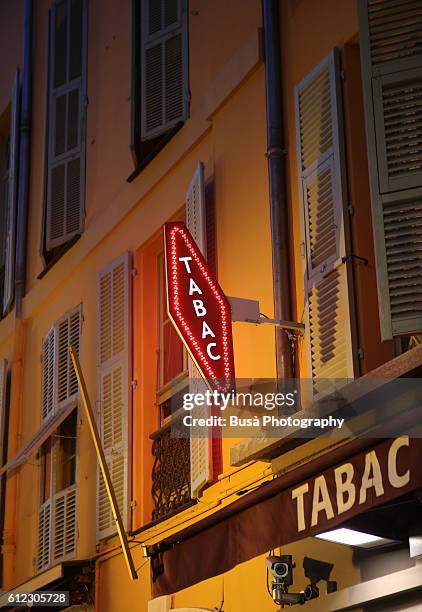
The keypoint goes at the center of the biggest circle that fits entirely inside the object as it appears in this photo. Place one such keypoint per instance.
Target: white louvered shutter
(66, 129)
(200, 447)
(391, 54)
(44, 536)
(325, 222)
(68, 333)
(48, 375)
(11, 204)
(64, 524)
(114, 389)
(164, 65)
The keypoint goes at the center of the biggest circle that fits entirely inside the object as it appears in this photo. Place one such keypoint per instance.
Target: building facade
(287, 137)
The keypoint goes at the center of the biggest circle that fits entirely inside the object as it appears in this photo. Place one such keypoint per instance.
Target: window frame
(166, 390)
(51, 256)
(143, 152)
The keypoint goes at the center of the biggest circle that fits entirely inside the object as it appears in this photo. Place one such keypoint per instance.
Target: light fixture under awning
(351, 537)
(40, 437)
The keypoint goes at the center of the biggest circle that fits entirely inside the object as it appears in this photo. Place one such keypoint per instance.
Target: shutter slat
(315, 120)
(395, 31)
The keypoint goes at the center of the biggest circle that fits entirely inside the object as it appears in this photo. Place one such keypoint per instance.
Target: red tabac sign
(198, 307)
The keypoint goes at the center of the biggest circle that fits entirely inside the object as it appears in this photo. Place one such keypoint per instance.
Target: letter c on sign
(397, 480)
(210, 355)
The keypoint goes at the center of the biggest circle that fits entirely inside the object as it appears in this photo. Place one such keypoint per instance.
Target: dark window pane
(75, 59)
(173, 353)
(155, 16)
(170, 12)
(66, 461)
(60, 50)
(73, 120)
(4, 196)
(163, 309)
(60, 127)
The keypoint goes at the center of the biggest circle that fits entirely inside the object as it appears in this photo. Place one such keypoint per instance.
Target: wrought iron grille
(170, 473)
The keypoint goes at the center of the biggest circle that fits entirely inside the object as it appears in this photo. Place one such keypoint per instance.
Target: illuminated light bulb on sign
(198, 308)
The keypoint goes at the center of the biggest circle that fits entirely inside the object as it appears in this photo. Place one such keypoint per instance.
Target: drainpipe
(277, 184)
(24, 153)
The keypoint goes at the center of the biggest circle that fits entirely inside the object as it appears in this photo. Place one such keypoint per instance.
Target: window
(8, 198)
(66, 454)
(171, 469)
(172, 357)
(4, 188)
(57, 519)
(65, 147)
(160, 79)
(57, 457)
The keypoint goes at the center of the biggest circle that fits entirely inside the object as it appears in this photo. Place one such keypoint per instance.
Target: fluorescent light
(350, 537)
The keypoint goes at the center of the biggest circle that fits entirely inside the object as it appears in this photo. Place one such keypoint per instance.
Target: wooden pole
(103, 465)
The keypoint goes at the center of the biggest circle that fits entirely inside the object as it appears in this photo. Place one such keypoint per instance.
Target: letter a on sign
(193, 311)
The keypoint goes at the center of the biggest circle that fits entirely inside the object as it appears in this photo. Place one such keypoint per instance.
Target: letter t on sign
(203, 324)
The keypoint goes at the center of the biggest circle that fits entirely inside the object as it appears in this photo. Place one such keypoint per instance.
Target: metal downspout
(24, 154)
(277, 185)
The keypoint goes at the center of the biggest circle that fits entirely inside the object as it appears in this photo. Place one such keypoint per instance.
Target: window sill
(62, 251)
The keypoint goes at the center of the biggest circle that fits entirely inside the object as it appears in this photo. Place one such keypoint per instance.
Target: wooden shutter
(68, 333)
(12, 193)
(114, 389)
(322, 186)
(66, 130)
(44, 536)
(64, 524)
(164, 65)
(48, 376)
(200, 447)
(391, 54)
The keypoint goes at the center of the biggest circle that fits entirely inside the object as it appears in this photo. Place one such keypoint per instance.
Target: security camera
(281, 569)
(311, 592)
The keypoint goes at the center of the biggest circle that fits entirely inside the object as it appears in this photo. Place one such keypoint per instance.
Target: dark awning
(315, 497)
